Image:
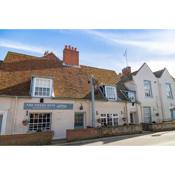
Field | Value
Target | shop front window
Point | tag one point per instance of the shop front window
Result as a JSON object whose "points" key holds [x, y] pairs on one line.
{"points": [[40, 121]]}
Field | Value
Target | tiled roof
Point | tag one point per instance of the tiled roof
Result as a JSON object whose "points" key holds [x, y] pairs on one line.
{"points": [[159, 73], [69, 82]]}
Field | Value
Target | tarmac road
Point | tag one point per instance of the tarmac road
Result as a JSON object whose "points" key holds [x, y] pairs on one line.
{"points": [[146, 139]]}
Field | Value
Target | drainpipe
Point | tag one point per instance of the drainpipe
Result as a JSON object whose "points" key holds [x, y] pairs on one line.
{"points": [[161, 101], [14, 119], [126, 108], [92, 83]]}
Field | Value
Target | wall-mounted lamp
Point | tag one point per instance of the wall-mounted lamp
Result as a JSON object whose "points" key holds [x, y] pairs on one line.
{"points": [[27, 112], [81, 107], [41, 100], [97, 113]]}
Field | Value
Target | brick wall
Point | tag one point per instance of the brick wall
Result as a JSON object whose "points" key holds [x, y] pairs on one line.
{"points": [[39, 138], [70, 56], [164, 126], [89, 133]]}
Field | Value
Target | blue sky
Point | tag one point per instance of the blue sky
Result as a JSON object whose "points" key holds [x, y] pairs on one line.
{"points": [[99, 48]]}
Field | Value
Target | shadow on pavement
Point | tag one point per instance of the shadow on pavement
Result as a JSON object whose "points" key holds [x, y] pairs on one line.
{"points": [[104, 140]]}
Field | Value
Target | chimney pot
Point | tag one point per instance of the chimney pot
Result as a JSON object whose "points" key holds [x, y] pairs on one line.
{"points": [[71, 56], [46, 53], [126, 71], [65, 46]]}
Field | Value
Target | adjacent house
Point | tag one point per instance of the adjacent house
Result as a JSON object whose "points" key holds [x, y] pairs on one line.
{"points": [[167, 93], [46, 93], [154, 92]]}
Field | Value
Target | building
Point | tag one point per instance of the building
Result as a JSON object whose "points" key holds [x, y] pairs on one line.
{"points": [[154, 92], [46, 93], [167, 94]]}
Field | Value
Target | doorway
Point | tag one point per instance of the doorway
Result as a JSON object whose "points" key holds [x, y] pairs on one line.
{"points": [[172, 114], [79, 120], [1, 117], [133, 118]]}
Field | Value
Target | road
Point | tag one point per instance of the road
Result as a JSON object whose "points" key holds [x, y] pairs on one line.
{"points": [[145, 139]]}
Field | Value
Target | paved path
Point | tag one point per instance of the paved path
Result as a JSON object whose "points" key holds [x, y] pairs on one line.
{"points": [[146, 139]]}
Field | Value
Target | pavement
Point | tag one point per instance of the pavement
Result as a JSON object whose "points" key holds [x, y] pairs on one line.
{"points": [[166, 138]]}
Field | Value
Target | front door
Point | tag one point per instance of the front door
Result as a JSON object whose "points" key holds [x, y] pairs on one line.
{"points": [[79, 120], [147, 114], [1, 117], [172, 114], [131, 118]]}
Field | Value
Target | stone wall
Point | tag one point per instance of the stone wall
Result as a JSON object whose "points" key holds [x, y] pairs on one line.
{"points": [[89, 133], [38, 138]]}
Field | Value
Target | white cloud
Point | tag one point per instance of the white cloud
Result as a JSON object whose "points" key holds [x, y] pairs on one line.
{"points": [[158, 42], [21, 46]]}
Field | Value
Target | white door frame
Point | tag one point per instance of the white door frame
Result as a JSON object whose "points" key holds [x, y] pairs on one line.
{"points": [[4, 119]]}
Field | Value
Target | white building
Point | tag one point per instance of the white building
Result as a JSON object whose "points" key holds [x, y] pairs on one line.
{"points": [[166, 85], [154, 91]]}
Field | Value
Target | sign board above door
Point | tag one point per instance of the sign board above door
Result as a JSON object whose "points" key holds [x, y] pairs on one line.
{"points": [[48, 106]]}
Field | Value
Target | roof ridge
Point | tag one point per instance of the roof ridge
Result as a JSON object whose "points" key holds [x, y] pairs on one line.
{"points": [[99, 68], [17, 53]]}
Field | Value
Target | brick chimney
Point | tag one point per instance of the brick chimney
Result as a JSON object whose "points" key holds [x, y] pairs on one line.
{"points": [[70, 56], [126, 71]]}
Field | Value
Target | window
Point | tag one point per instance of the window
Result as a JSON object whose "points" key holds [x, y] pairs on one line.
{"points": [[169, 90], [109, 120], [131, 96], [147, 114], [42, 87], [40, 121], [79, 120], [147, 88], [111, 93]]}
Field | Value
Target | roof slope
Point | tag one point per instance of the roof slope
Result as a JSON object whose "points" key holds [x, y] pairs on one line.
{"points": [[159, 73], [69, 82]]}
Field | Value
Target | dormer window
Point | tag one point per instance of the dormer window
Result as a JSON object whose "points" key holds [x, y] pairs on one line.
{"points": [[110, 92], [42, 87]]}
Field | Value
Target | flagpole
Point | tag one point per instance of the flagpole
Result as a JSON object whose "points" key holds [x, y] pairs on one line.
{"points": [[126, 57]]}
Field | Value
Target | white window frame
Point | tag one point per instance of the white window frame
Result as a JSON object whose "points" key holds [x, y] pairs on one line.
{"points": [[115, 93], [114, 116], [170, 93], [34, 86], [150, 88], [4, 121], [132, 96], [34, 113]]}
